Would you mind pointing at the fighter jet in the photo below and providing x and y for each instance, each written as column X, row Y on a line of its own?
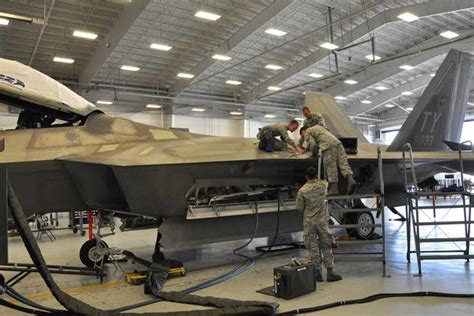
column 66, row 155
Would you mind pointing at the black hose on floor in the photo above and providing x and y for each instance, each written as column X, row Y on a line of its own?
column 373, row 298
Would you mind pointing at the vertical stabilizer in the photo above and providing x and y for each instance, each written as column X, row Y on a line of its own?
column 439, row 113
column 336, row 120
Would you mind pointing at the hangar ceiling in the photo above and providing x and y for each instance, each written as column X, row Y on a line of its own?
column 127, row 29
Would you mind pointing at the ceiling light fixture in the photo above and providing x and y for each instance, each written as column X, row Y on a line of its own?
column 104, row 102
column 160, row 47
column 275, row 32
column 366, row 102
column 153, row 106
column 84, row 34
column 207, row 15
column 221, row 57
column 270, row 116
column 339, row 97
column 130, row 68
column 63, row 60
column 433, row 74
column 4, row 21
column 274, row 88
column 273, row 67
column 315, row 75
column 350, row 81
column 449, row 34
column 409, row 109
column 198, row 110
column 381, row 88
column 185, row 75
column 233, row 82
column 236, row 113
column 389, row 105
column 408, row 17
column 328, row 45
column 406, row 67
column 407, row 93
column 372, row 57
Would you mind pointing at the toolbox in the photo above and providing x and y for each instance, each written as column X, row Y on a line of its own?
column 291, row 281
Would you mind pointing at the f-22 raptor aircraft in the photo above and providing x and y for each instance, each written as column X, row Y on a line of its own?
column 95, row 161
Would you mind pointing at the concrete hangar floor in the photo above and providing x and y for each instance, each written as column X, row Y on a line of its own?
column 361, row 278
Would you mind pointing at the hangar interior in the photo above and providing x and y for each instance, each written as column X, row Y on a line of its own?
column 190, row 69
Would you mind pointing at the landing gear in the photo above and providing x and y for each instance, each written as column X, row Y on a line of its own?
column 93, row 254
column 363, row 218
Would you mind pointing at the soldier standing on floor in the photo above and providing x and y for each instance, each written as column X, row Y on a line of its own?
column 311, row 200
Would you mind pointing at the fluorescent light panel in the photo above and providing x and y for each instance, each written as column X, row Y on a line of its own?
column 207, row 15
column 433, row 74
column 198, row 110
column 409, row 109
column 153, row 106
column 160, row 47
column 350, row 81
column 366, row 102
column 84, row 34
column 221, row 57
column 236, row 113
column 4, row 21
column 406, row 67
column 270, row 116
column 381, row 88
column 328, row 45
column 275, row 32
column 449, row 34
column 339, row 97
column 185, row 75
column 104, row 102
column 233, row 82
column 408, row 17
column 273, row 88
column 273, row 67
column 407, row 93
column 130, row 68
column 389, row 105
column 63, row 60
column 373, row 57
column 315, row 75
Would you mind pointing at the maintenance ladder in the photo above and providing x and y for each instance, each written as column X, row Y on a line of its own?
column 346, row 203
column 414, row 207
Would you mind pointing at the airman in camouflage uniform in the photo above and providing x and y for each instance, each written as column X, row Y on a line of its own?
column 311, row 201
column 312, row 119
column 334, row 157
column 267, row 135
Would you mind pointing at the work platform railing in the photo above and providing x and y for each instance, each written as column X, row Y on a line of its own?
column 415, row 208
column 352, row 204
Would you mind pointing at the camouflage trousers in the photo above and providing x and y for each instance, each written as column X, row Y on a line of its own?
column 317, row 236
column 274, row 143
column 334, row 159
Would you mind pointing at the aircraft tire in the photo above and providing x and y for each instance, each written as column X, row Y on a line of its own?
column 89, row 257
column 361, row 233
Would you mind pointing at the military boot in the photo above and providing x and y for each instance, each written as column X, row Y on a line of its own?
column 332, row 276
column 319, row 275
column 333, row 189
column 351, row 184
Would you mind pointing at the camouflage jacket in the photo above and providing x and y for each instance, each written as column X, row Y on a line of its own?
column 315, row 119
column 274, row 130
column 324, row 139
column 311, row 201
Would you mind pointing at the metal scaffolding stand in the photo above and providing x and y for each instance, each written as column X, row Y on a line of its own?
column 414, row 209
column 348, row 204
